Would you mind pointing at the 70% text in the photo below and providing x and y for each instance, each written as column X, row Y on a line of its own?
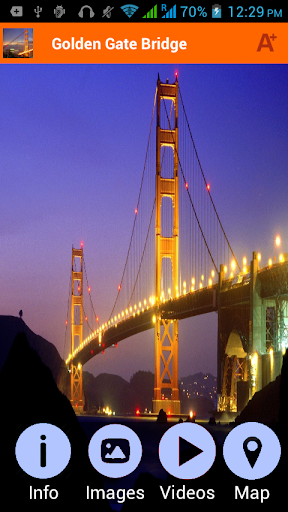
column 193, row 11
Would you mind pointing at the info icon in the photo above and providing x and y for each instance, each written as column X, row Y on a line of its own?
column 43, row 450
column 251, row 450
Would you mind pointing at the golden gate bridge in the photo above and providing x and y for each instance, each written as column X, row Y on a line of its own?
column 180, row 264
column 21, row 46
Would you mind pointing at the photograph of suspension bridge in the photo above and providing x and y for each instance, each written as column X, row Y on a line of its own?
column 17, row 43
column 144, row 222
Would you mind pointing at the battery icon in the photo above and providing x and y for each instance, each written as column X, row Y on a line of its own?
column 216, row 11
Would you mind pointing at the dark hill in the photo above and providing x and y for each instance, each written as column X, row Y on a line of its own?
column 106, row 390
column 10, row 326
column 30, row 395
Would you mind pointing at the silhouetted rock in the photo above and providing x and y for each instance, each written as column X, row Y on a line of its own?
column 263, row 406
column 30, row 395
column 162, row 416
column 10, row 326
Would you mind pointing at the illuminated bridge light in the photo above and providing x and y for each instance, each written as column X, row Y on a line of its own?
column 281, row 258
column 270, row 262
column 244, row 261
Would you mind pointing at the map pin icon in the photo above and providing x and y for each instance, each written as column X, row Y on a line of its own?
column 252, row 448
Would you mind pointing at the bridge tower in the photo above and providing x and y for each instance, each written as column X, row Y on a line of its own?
column 76, row 328
column 26, row 41
column 166, row 331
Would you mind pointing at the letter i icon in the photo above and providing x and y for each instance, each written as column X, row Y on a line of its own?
column 43, row 453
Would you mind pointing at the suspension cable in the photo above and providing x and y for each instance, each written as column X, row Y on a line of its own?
column 138, row 202
column 68, row 307
column 189, row 195
column 212, row 202
column 88, row 287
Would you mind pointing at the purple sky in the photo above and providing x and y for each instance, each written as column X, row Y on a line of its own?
column 73, row 142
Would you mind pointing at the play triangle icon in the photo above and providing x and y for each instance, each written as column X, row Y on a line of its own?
column 187, row 451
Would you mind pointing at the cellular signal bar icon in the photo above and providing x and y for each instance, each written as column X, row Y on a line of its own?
column 171, row 13
column 152, row 13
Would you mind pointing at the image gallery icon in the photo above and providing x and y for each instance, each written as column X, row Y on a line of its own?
column 115, row 450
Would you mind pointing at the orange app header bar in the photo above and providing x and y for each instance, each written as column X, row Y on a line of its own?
column 238, row 43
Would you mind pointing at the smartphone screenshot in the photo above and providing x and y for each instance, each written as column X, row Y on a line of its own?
column 144, row 296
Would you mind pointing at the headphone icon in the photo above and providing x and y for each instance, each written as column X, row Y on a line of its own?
column 92, row 13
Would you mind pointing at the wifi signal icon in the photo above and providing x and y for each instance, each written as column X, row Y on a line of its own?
column 129, row 9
